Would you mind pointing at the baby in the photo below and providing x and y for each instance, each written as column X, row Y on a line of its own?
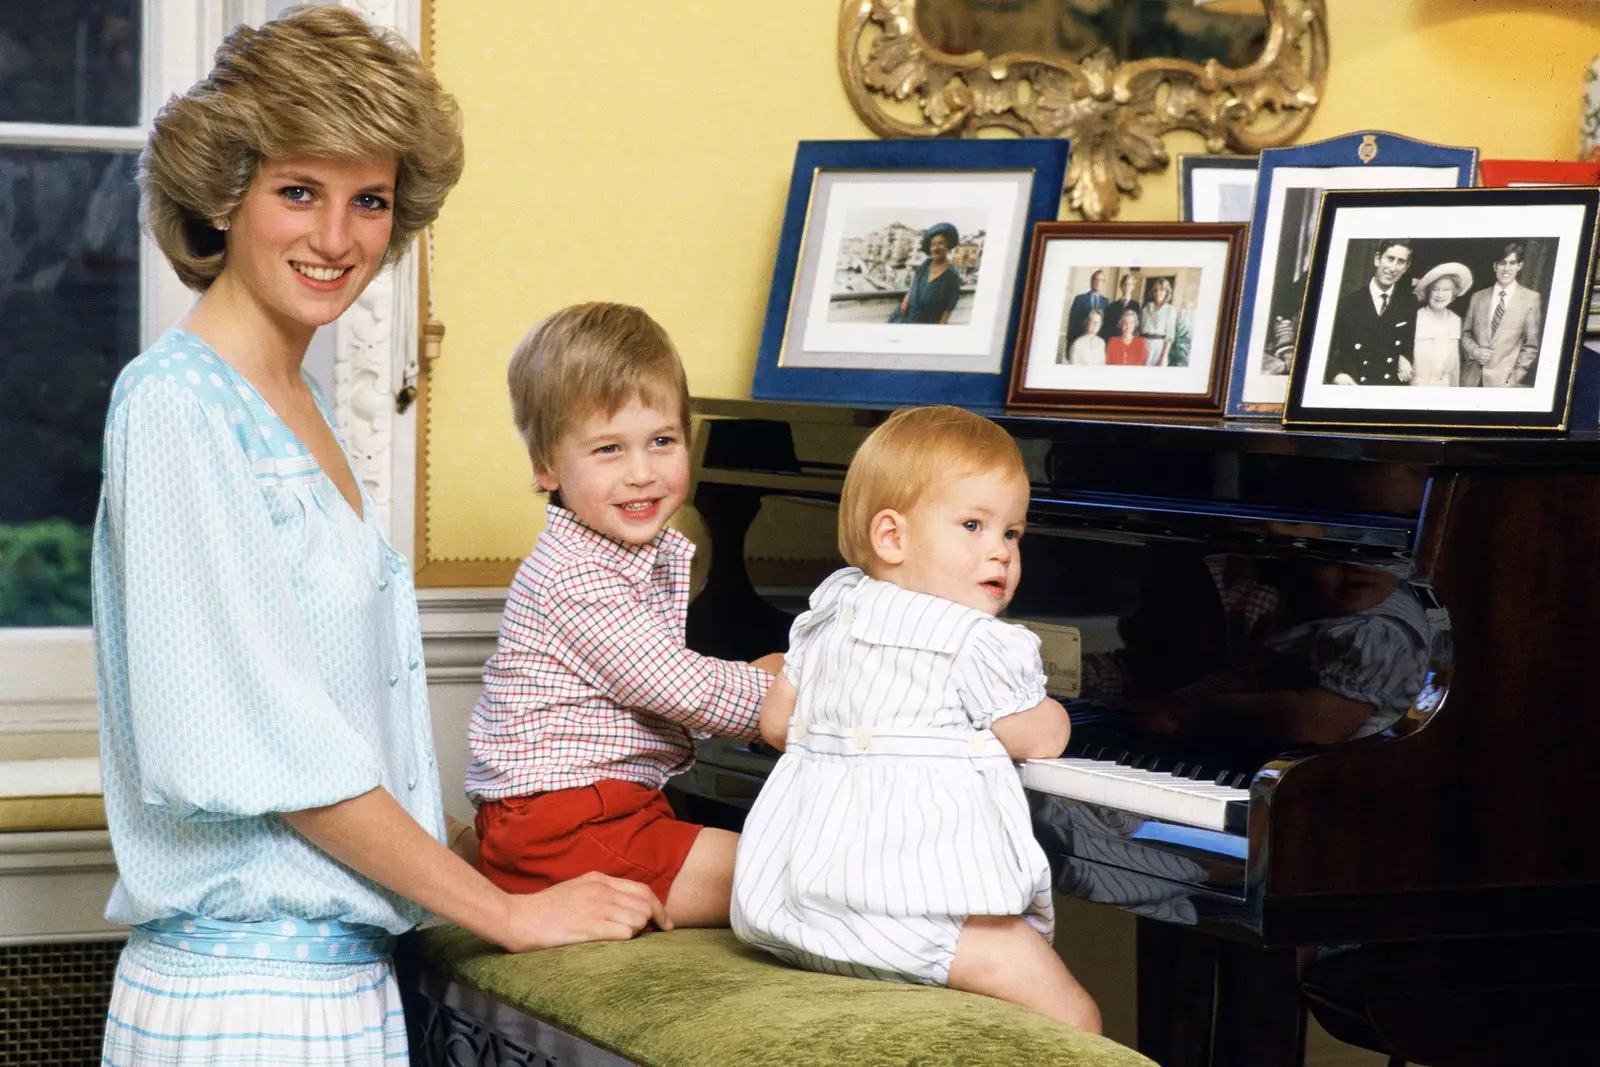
column 893, row 839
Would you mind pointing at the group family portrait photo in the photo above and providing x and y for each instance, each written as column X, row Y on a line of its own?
column 1147, row 323
column 1126, row 315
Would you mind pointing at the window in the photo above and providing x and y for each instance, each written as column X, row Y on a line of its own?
column 70, row 86
column 82, row 291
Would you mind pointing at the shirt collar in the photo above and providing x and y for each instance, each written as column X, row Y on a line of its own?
column 1378, row 290
column 633, row 562
column 885, row 614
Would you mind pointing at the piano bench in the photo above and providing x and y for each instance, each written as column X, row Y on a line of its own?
column 699, row 998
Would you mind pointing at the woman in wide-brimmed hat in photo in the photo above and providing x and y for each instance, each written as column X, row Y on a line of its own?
column 936, row 286
column 1436, row 351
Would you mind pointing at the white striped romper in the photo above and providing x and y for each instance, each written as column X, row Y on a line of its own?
column 895, row 812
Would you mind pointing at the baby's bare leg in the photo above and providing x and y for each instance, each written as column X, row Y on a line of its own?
column 700, row 894
column 1001, row 956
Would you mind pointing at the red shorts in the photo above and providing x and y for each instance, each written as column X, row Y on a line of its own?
column 626, row 830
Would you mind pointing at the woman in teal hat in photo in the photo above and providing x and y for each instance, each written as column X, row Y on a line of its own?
column 936, row 286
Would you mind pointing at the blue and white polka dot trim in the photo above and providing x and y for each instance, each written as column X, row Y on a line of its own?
column 292, row 940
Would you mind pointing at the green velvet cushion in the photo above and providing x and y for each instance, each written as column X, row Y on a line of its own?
column 699, row 998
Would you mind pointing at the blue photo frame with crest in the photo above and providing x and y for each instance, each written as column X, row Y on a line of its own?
column 1283, row 227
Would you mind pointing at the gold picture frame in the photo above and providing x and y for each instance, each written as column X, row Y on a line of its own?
column 1115, row 113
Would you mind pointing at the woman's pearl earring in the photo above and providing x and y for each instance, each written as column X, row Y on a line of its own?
column 221, row 223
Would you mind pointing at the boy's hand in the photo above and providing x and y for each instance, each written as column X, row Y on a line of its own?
column 772, row 663
column 591, row 907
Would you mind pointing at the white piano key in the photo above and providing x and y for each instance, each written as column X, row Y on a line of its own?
column 1154, row 793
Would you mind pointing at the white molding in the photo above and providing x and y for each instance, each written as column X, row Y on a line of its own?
column 371, row 344
column 54, row 885
column 459, row 630
column 180, row 37
column 50, row 135
column 47, row 680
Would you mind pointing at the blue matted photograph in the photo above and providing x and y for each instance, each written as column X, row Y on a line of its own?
column 1289, row 188
column 900, row 267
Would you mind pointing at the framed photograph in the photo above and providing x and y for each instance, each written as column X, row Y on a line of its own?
column 1127, row 316
column 899, row 268
column 1288, row 192
column 1216, row 188
column 1512, row 173
column 1458, row 309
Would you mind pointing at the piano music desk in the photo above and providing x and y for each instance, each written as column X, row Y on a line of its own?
column 699, row 998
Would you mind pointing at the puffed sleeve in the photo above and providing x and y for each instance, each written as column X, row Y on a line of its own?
column 824, row 605
column 1370, row 658
column 229, row 713
column 998, row 672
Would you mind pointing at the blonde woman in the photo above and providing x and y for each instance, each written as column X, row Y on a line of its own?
column 269, row 772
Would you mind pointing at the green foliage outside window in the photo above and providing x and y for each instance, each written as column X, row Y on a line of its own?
column 44, row 574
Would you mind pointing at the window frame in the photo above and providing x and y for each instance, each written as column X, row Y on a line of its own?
column 47, row 680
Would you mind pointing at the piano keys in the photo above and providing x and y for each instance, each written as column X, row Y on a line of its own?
column 1158, row 794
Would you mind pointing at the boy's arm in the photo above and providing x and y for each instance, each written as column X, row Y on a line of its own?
column 776, row 711
column 1041, row 732
column 628, row 652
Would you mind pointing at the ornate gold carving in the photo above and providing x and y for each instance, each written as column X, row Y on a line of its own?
column 1367, row 151
column 1114, row 112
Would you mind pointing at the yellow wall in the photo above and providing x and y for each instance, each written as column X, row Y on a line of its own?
column 641, row 150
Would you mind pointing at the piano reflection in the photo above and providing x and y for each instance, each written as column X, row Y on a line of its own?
column 1333, row 693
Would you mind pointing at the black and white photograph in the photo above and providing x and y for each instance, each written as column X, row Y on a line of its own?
column 900, row 265
column 1288, row 198
column 1126, row 315
column 1459, row 305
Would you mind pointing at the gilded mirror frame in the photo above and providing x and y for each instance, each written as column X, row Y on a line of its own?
column 1115, row 113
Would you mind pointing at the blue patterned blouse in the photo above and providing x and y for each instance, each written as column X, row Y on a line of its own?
column 258, row 651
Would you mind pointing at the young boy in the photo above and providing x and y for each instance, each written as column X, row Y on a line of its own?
column 590, row 698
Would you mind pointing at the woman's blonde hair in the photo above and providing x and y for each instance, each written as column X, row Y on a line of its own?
column 319, row 81
column 903, row 458
column 591, row 359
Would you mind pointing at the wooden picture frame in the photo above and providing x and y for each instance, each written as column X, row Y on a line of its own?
column 1171, row 289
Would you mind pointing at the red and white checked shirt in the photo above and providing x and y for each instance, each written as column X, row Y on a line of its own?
column 591, row 678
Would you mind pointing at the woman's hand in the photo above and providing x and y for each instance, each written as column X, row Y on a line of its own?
column 591, row 907
column 373, row 835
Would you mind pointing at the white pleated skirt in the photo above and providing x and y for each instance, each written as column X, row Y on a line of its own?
column 178, row 1009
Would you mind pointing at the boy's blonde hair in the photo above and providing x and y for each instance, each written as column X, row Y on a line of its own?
column 903, row 458
column 591, row 359
column 319, row 81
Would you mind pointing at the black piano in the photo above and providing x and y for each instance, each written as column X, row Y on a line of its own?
column 1336, row 733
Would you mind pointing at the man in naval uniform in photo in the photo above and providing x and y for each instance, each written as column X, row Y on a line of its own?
column 1374, row 325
